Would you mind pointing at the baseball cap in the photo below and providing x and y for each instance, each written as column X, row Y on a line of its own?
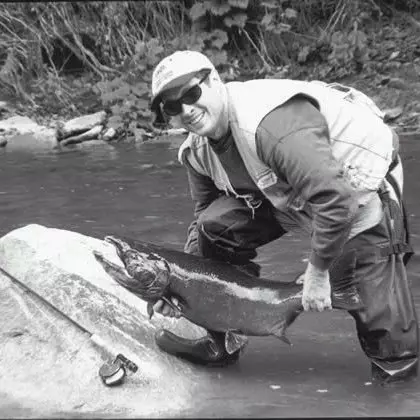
column 176, row 69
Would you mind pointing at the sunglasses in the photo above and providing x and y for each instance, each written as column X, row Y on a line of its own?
column 191, row 96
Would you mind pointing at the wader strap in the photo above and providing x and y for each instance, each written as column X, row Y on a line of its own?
column 396, row 246
column 252, row 203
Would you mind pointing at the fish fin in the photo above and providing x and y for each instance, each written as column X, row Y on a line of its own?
column 284, row 338
column 280, row 333
column 150, row 310
column 235, row 341
column 348, row 299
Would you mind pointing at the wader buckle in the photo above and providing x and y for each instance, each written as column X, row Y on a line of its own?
column 384, row 195
column 395, row 249
column 252, row 203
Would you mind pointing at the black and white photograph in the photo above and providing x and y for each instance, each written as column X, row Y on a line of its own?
column 209, row 209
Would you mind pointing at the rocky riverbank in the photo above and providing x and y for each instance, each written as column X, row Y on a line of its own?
column 398, row 98
column 20, row 131
column 391, row 77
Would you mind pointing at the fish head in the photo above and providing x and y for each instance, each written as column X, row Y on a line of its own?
column 149, row 274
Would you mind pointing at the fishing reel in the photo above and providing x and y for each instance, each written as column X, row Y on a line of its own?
column 113, row 373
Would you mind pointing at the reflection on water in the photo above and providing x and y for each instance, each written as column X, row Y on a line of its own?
column 141, row 191
column 97, row 190
column 138, row 190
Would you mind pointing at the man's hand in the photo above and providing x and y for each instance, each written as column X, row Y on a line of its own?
column 316, row 289
column 164, row 309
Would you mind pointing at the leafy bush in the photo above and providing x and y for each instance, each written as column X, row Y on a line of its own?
column 126, row 96
column 258, row 37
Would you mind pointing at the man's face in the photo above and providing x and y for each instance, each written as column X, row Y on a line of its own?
column 204, row 116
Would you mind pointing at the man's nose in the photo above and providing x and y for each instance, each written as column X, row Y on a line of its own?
column 187, row 109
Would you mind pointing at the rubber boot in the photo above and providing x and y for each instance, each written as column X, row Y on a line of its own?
column 250, row 268
column 300, row 278
column 394, row 372
column 207, row 351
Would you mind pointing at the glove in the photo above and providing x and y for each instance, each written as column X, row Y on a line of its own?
column 316, row 289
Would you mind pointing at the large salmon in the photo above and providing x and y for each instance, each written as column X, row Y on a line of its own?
column 215, row 295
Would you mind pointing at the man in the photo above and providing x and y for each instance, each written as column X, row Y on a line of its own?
column 269, row 156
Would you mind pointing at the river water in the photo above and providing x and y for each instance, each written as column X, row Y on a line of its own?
column 140, row 190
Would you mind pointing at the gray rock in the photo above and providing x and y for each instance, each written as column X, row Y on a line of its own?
column 109, row 134
column 174, row 131
column 52, row 366
column 3, row 141
column 43, row 141
column 93, row 133
column 81, row 124
column 24, row 133
column 23, row 125
column 391, row 114
column 95, row 144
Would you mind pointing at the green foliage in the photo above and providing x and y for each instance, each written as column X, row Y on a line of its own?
column 127, row 95
column 259, row 37
column 277, row 18
column 348, row 50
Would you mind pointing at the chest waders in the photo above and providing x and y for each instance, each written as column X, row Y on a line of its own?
column 399, row 238
column 388, row 329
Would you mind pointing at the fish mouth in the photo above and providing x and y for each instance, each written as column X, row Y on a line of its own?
column 115, row 241
column 120, row 245
column 118, row 273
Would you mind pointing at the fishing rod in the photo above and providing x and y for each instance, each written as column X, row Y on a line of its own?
column 111, row 372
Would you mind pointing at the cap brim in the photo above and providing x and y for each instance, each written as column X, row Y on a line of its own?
column 178, row 81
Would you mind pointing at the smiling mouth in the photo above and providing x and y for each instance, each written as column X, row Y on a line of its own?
column 196, row 119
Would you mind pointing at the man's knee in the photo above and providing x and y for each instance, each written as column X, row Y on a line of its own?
column 221, row 236
column 224, row 214
column 210, row 226
column 228, row 230
column 216, row 243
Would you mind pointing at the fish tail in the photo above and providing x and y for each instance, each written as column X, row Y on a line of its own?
column 285, row 339
column 281, row 335
column 287, row 319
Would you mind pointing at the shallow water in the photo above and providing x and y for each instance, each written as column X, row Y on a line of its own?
column 141, row 191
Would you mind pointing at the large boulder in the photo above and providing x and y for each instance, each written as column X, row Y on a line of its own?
column 50, row 365
column 22, row 133
column 91, row 134
column 81, row 124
